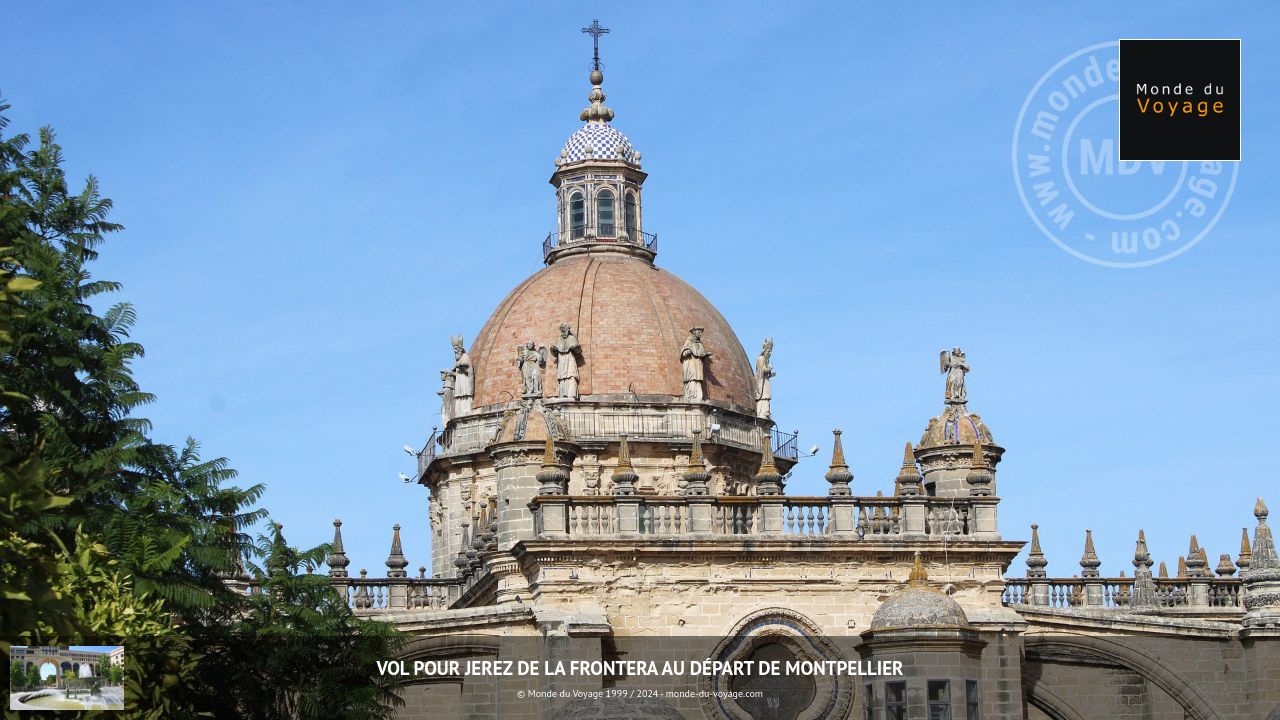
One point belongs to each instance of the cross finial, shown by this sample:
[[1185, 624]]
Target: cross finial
[[595, 31]]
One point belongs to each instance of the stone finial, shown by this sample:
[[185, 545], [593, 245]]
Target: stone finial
[[461, 561], [1089, 561], [1225, 568], [422, 572], [1036, 561], [395, 561], [909, 482], [695, 471], [1164, 571], [1246, 553], [278, 561], [768, 479], [492, 530], [624, 476], [1141, 557], [552, 479], [838, 473], [979, 477], [918, 577], [1264, 546], [486, 535], [337, 559], [1262, 581], [1196, 564], [1143, 596], [597, 111]]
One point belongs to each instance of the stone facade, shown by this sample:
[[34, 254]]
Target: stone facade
[[633, 521]]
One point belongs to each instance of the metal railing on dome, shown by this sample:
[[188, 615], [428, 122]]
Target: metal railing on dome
[[616, 234], [786, 445]]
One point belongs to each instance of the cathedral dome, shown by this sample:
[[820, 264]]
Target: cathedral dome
[[598, 141], [919, 606], [955, 426], [631, 318]]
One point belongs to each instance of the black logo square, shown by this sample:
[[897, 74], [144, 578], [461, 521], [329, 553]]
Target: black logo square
[[1179, 99]]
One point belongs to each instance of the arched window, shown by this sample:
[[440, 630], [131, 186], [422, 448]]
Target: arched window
[[577, 216], [632, 217], [605, 214]]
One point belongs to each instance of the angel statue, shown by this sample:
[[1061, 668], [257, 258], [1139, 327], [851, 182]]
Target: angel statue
[[952, 363], [531, 360], [463, 383], [566, 350], [764, 380]]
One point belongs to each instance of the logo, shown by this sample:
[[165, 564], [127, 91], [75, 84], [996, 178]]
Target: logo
[[1083, 197]]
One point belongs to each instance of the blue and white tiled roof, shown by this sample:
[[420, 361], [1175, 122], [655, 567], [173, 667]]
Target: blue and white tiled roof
[[598, 141]]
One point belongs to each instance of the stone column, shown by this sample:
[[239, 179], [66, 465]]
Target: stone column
[[1262, 580], [1036, 575], [338, 562], [696, 488], [551, 506], [1143, 597], [1197, 575], [396, 563], [769, 487], [624, 489], [842, 502], [1089, 564]]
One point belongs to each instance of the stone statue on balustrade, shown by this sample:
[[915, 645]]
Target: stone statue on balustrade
[[953, 364], [463, 382], [764, 380], [531, 360], [566, 350], [693, 366], [447, 379]]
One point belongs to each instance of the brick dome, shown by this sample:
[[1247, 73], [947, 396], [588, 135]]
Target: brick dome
[[631, 319]]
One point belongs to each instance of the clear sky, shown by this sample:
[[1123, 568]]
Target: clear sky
[[318, 195]]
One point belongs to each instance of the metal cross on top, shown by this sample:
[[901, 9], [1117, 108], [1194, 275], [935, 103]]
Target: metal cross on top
[[595, 31]]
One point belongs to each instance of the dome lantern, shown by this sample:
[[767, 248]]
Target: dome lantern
[[598, 183]]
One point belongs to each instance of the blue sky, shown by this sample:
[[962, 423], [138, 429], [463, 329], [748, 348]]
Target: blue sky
[[318, 195]]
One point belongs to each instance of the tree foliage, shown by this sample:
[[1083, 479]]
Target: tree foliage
[[108, 535]]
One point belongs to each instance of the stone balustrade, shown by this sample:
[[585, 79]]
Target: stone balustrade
[[367, 595], [862, 518], [476, 431], [1117, 593]]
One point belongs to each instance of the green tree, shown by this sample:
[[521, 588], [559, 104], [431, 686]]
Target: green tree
[[314, 654], [17, 676], [108, 534]]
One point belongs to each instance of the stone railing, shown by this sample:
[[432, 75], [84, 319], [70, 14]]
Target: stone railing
[[667, 424], [474, 432], [861, 518], [1116, 593], [373, 595], [470, 435]]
